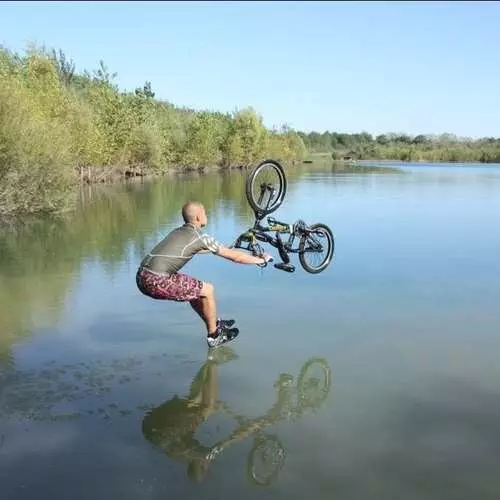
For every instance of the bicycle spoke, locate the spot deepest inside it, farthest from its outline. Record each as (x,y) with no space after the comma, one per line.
(266,186)
(315,251)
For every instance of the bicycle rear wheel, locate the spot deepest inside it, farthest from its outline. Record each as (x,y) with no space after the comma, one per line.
(316,248)
(266,187)
(314,383)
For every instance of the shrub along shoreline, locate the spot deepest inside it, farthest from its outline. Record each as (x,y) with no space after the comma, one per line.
(59,128)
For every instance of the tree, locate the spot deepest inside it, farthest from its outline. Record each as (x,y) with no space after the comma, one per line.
(145,91)
(65,68)
(246,138)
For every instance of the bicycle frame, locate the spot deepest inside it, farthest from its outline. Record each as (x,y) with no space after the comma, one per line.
(258,232)
(262,233)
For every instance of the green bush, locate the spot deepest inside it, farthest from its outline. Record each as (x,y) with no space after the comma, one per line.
(54,121)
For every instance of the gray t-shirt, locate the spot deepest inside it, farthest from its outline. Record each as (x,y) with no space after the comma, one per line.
(177,248)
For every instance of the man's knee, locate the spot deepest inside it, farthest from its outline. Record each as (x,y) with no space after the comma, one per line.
(207,289)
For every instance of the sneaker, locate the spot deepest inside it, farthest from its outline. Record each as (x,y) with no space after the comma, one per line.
(225,323)
(216,450)
(223,336)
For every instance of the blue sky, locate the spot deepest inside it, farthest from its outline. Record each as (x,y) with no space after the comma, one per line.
(413,67)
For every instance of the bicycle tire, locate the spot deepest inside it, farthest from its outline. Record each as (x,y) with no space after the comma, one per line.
(262,444)
(254,203)
(331,248)
(305,400)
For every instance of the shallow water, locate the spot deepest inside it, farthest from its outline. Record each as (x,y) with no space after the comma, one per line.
(378,378)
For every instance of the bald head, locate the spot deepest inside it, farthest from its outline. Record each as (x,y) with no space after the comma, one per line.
(193,212)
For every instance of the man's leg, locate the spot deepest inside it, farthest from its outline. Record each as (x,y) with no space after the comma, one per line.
(206,307)
(204,389)
(202,299)
(196,305)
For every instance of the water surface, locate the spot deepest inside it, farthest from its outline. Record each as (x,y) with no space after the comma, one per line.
(378,378)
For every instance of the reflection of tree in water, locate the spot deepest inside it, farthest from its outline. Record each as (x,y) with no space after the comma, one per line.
(171,426)
(40,258)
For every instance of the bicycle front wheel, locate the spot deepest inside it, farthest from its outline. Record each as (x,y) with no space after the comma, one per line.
(316,248)
(266,187)
(266,459)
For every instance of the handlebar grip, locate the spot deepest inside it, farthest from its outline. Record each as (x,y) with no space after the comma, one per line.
(264,264)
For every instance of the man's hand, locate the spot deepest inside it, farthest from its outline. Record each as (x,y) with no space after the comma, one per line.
(267,257)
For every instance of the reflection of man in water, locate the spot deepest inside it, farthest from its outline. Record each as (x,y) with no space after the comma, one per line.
(172,425)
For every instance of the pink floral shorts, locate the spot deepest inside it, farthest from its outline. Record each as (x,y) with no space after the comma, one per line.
(177,286)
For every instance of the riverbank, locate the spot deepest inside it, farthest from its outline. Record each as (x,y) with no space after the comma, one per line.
(97,175)
(327,157)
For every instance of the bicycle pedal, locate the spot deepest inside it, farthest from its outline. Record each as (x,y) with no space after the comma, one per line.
(289,268)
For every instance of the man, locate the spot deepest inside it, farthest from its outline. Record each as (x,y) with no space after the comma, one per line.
(158,275)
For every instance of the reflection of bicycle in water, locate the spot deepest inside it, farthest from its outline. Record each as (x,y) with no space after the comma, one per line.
(172,425)
(294,398)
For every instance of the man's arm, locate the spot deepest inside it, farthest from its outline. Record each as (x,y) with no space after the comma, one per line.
(213,246)
(241,257)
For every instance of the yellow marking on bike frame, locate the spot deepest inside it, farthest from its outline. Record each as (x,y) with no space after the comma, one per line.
(280,228)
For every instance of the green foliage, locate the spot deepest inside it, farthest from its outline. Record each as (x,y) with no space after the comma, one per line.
(36,156)
(204,140)
(246,140)
(55,121)
(442,148)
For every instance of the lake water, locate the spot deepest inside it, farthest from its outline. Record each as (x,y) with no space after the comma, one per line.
(398,341)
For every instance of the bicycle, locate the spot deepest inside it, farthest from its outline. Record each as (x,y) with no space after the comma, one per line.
(308,236)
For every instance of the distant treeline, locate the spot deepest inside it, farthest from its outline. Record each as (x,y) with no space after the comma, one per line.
(58,126)
(364,146)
